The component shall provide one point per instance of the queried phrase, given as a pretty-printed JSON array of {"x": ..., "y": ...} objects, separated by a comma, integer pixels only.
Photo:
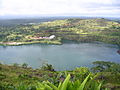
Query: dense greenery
[
  {"x": 84, "y": 30},
  {"x": 106, "y": 76}
]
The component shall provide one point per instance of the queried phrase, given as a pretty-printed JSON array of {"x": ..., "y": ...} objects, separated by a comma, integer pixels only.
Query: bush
[
  {"x": 16, "y": 65},
  {"x": 104, "y": 66},
  {"x": 47, "y": 67},
  {"x": 24, "y": 65}
]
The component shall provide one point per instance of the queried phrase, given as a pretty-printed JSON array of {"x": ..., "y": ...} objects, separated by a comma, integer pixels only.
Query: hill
[{"x": 83, "y": 30}]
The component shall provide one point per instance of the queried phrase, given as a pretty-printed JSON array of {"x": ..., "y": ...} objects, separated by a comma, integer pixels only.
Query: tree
[
  {"x": 105, "y": 66},
  {"x": 47, "y": 67},
  {"x": 24, "y": 65}
]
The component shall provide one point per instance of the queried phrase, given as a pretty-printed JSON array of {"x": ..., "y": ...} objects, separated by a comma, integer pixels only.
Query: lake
[{"x": 62, "y": 57}]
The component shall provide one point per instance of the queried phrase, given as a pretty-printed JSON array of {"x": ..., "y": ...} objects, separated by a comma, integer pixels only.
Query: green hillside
[
  {"x": 103, "y": 76},
  {"x": 83, "y": 30}
]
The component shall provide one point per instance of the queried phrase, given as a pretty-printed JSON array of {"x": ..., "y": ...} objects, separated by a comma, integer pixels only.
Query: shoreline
[
  {"x": 27, "y": 43},
  {"x": 11, "y": 43}
]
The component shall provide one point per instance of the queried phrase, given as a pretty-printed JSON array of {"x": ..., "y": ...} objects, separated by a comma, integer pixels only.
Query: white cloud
[{"x": 38, "y": 7}]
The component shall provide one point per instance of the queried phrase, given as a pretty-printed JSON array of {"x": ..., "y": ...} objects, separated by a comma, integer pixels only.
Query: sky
[{"x": 60, "y": 7}]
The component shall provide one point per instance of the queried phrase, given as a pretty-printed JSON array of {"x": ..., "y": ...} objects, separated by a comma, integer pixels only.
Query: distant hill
[
  {"x": 83, "y": 30},
  {"x": 11, "y": 22}
]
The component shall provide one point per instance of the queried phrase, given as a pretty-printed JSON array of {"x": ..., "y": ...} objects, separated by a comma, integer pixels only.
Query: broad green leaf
[
  {"x": 98, "y": 88},
  {"x": 47, "y": 87},
  {"x": 83, "y": 83},
  {"x": 59, "y": 86},
  {"x": 64, "y": 85},
  {"x": 53, "y": 86}
]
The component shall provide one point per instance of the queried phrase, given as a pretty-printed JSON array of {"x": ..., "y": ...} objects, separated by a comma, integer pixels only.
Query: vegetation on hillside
[
  {"x": 83, "y": 30},
  {"x": 103, "y": 76}
]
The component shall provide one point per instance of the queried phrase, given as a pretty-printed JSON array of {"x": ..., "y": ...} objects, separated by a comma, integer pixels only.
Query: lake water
[{"x": 62, "y": 57}]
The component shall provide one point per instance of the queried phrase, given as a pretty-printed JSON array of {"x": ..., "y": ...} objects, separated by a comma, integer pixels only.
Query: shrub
[
  {"x": 15, "y": 65},
  {"x": 24, "y": 65},
  {"x": 47, "y": 67}
]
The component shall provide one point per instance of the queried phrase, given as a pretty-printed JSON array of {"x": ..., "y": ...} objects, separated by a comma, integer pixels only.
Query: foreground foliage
[
  {"x": 22, "y": 77},
  {"x": 66, "y": 85}
]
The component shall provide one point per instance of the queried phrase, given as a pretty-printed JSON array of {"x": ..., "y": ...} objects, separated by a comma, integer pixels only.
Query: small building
[
  {"x": 52, "y": 37},
  {"x": 37, "y": 38}
]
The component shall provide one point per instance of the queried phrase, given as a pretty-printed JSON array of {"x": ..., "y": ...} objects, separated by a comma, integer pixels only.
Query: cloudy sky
[{"x": 60, "y": 7}]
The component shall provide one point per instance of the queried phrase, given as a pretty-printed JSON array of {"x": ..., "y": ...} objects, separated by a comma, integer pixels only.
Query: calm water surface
[{"x": 62, "y": 57}]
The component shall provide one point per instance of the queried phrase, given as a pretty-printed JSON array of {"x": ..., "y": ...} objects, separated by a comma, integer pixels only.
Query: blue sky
[{"x": 60, "y": 7}]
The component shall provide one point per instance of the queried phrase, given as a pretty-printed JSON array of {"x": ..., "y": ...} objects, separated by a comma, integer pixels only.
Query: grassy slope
[{"x": 14, "y": 76}]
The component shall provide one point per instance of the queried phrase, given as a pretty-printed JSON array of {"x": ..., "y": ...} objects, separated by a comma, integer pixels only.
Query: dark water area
[{"x": 62, "y": 57}]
